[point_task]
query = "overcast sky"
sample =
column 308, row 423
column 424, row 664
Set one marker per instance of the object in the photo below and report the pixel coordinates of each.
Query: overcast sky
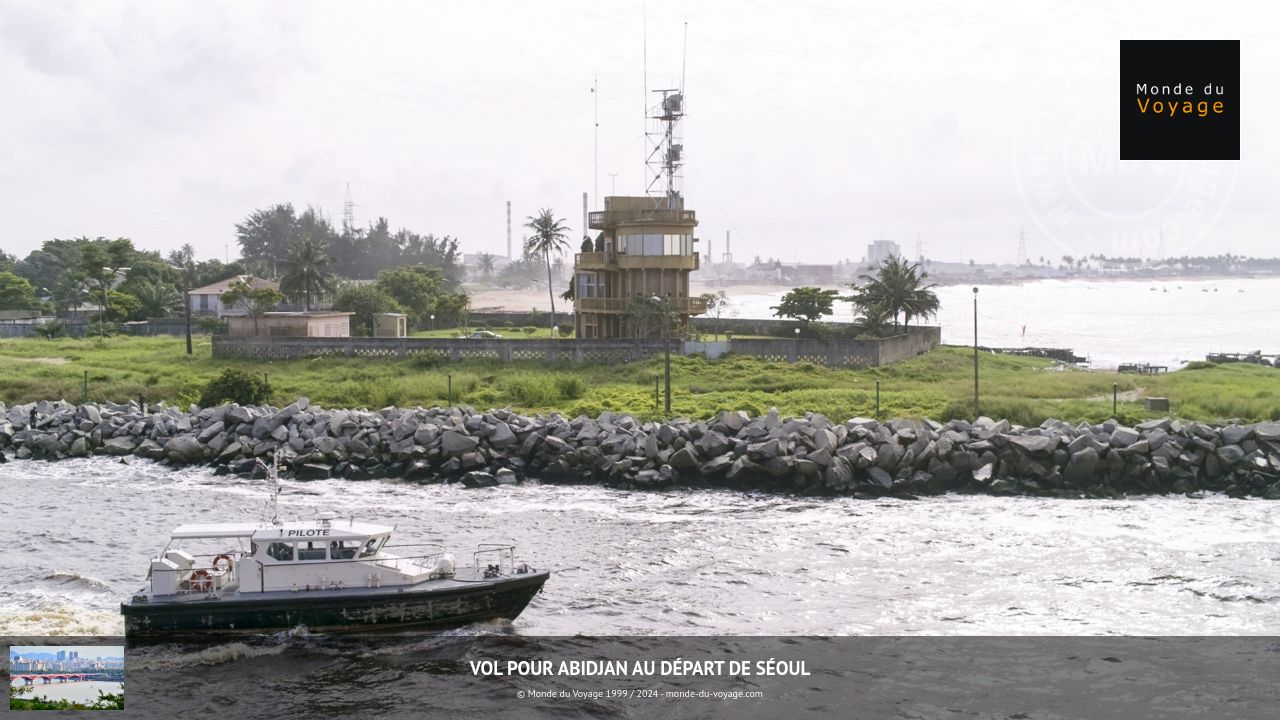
column 813, row 127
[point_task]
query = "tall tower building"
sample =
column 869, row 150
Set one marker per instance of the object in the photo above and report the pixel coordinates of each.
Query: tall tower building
column 647, row 252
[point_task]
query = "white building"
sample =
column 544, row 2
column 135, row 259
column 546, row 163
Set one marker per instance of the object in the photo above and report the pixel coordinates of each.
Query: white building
column 207, row 300
column 880, row 250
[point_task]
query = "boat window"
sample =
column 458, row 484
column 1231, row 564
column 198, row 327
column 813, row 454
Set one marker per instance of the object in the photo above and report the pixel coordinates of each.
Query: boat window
column 280, row 551
column 371, row 547
column 343, row 549
column 311, row 552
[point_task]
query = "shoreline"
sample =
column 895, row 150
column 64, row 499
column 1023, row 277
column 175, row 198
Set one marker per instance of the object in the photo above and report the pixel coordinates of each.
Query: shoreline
column 810, row 455
column 498, row 300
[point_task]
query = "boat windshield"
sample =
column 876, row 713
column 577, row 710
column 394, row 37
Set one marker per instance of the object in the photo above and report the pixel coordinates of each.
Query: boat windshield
column 372, row 546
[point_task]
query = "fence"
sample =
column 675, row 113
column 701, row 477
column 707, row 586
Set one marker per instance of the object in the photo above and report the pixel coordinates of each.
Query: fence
column 836, row 353
column 80, row 329
column 280, row 348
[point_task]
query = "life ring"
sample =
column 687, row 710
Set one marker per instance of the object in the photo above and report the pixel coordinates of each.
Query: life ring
column 201, row 581
column 230, row 562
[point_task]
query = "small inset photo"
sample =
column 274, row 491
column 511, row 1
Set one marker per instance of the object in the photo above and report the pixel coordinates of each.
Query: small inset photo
column 66, row 677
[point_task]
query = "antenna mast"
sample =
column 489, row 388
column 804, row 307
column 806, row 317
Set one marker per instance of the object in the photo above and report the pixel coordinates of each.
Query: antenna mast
column 595, row 96
column 1022, row 246
column 348, row 213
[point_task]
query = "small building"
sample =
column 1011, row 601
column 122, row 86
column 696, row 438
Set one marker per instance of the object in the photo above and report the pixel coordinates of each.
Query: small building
column 207, row 300
column 292, row 324
column 394, row 325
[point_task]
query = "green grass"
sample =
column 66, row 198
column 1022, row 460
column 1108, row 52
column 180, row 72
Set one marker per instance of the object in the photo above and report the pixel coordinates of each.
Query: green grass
column 937, row 385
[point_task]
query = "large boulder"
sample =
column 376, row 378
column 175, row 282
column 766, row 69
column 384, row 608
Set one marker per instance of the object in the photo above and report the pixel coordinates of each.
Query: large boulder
column 1082, row 467
column 455, row 444
column 184, row 449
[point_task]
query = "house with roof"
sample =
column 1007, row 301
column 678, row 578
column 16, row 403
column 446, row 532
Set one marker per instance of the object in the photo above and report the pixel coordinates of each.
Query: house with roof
column 207, row 300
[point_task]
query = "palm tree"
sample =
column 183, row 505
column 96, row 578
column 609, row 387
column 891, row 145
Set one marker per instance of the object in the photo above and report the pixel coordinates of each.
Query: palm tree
column 306, row 273
column 159, row 300
column 486, row 264
column 896, row 289
column 182, row 257
column 549, row 235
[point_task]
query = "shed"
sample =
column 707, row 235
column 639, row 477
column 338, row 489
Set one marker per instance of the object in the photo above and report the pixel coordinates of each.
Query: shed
column 292, row 324
column 394, row 325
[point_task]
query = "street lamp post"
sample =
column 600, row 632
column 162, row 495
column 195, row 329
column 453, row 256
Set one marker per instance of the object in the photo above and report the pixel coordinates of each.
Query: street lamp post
column 976, row 412
column 666, row 353
column 433, row 323
column 796, row 347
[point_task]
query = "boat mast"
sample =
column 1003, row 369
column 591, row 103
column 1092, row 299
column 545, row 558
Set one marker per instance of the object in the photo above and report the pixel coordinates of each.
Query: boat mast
column 274, row 474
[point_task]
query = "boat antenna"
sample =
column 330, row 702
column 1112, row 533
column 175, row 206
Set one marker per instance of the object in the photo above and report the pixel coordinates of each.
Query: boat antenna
column 274, row 474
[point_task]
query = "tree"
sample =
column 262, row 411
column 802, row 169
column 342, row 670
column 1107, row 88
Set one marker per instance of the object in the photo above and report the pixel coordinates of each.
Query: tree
column 156, row 300
column 255, row 302
column 897, row 289
column 717, row 306
column 264, row 236
column 306, row 273
column 183, row 256
column 420, row 291
column 16, row 293
column 549, row 236
column 7, row 261
column 122, row 306
column 649, row 315
column 365, row 301
column 486, row 264
column 100, row 265
column 806, row 304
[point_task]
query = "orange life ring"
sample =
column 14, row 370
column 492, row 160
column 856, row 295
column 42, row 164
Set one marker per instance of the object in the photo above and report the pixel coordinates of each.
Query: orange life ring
column 201, row 581
column 230, row 562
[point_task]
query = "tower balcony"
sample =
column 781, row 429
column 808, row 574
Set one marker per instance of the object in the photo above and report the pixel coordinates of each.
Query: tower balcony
column 615, row 261
column 680, row 305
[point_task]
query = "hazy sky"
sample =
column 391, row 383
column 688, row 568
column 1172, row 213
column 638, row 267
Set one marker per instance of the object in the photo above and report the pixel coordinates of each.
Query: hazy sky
column 813, row 127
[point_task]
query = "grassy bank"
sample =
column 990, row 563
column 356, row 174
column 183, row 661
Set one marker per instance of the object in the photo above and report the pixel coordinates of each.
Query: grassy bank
column 937, row 385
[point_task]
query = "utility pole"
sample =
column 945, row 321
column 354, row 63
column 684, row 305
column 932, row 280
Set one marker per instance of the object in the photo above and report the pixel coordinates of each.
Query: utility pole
column 187, row 301
column 976, row 412
column 509, row 257
column 664, row 304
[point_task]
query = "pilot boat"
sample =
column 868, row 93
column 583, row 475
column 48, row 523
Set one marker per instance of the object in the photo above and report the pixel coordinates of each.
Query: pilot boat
column 327, row 574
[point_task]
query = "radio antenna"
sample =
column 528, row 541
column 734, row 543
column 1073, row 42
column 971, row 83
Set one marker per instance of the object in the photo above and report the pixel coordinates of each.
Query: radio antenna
column 684, row 55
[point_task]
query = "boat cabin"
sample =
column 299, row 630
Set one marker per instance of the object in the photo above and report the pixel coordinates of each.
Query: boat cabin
column 325, row 553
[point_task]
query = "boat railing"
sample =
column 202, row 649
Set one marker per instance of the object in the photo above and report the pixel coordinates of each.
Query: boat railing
column 415, row 564
column 498, row 552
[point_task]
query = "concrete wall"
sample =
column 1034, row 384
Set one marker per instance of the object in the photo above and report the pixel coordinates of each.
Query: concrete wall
column 836, row 353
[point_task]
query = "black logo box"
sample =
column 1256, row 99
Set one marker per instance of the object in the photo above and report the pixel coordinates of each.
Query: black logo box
column 1189, row 65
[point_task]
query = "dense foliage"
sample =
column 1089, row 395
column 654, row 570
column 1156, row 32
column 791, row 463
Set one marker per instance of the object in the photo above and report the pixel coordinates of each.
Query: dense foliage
column 236, row 386
column 267, row 235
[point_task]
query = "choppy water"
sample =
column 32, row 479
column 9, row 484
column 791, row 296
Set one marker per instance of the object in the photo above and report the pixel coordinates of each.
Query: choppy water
column 1163, row 322
column 79, row 533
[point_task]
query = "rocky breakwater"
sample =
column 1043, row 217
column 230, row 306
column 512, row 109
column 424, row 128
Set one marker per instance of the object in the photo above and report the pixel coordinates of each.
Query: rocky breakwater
column 809, row 454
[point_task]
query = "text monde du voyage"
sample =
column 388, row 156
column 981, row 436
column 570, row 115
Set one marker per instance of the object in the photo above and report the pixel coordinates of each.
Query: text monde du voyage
column 1180, row 100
